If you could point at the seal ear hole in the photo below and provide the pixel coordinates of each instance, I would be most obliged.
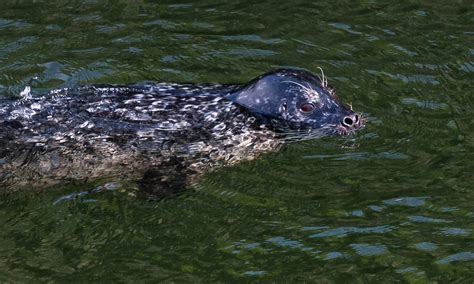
(307, 107)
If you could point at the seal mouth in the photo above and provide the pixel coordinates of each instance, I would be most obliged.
(329, 129)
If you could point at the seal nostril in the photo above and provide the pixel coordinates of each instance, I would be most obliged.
(348, 121)
(356, 118)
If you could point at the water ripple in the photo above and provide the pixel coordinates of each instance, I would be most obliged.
(344, 231)
(406, 201)
(462, 256)
(369, 250)
(426, 246)
(415, 78)
(423, 219)
(455, 232)
(390, 204)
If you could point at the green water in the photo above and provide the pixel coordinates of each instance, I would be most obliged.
(393, 203)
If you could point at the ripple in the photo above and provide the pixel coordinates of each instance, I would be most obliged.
(53, 71)
(244, 52)
(86, 51)
(87, 18)
(389, 191)
(369, 250)
(20, 43)
(467, 67)
(314, 228)
(110, 29)
(345, 27)
(180, 6)
(19, 25)
(426, 246)
(333, 255)
(404, 50)
(458, 257)
(310, 44)
(424, 104)
(423, 219)
(165, 24)
(173, 58)
(455, 232)
(252, 38)
(254, 273)
(134, 50)
(344, 231)
(281, 241)
(357, 213)
(416, 78)
(112, 186)
(376, 208)
(392, 155)
(204, 25)
(406, 201)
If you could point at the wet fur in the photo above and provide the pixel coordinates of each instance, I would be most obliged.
(162, 135)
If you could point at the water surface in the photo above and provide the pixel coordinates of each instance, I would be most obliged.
(392, 203)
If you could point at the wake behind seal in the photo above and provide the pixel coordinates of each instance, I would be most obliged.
(162, 135)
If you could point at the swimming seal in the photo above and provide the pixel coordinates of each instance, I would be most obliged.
(162, 135)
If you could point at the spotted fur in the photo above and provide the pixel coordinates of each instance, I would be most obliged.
(162, 132)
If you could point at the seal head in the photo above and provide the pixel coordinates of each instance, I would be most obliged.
(292, 99)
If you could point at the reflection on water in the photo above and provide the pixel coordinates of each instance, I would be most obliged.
(392, 203)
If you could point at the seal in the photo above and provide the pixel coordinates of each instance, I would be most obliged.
(162, 135)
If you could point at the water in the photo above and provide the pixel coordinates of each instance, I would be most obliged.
(392, 203)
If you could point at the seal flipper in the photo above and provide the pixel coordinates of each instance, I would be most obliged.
(168, 180)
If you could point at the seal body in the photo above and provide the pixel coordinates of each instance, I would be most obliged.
(161, 134)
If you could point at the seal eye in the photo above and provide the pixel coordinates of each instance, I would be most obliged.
(307, 107)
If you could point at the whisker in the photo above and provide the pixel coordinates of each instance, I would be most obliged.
(324, 80)
(292, 136)
(308, 90)
(296, 83)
